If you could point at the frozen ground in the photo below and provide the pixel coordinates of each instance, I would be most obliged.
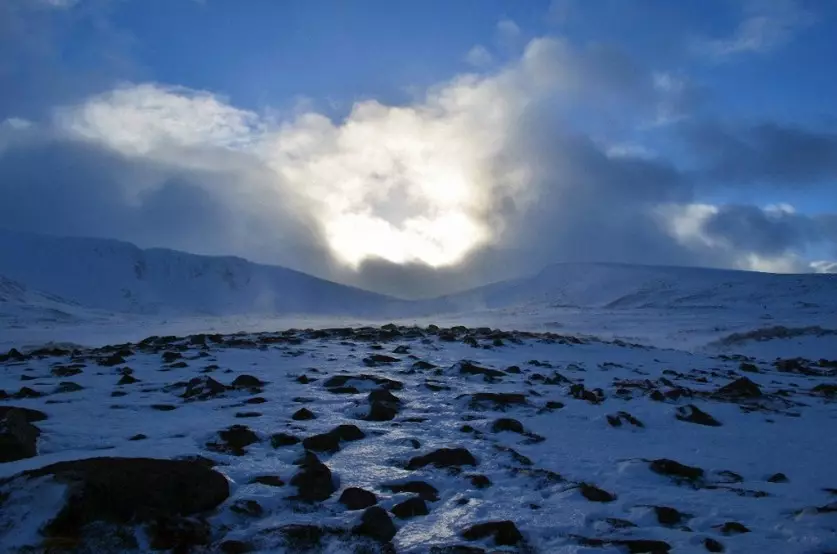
(579, 469)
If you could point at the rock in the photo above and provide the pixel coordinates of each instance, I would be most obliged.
(668, 516)
(383, 395)
(126, 490)
(138, 437)
(283, 439)
(778, 478)
(30, 415)
(618, 523)
(65, 371)
(268, 480)
(581, 393)
(693, 414)
(444, 457)
(376, 523)
(421, 365)
(178, 534)
(497, 401)
(249, 508)
(615, 420)
(234, 439)
(675, 469)
(456, 549)
(348, 432)
(733, 528)
(235, 547)
(231, 546)
(381, 411)
(740, 388)
(247, 382)
(378, 359)
(313, 481)
(169, 357)
(467, 367)
(163, 407)
(203, 388)
(303, 414)
(595, 494)
(634, 546)
(480, 481)
(18, 437)
(357, 499)
(324, 442)
(424, 490)
(127, 379)
(411, 507)
(712, 545)
(401, 349)
(67, 386)
(507, 424)
(26, 392)
(343, 380)
(505, 533)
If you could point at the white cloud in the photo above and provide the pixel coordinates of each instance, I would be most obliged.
(479, 56)
(508, 33)
(767, 25)
(823, 266)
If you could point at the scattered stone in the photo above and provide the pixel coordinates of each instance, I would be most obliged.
(203, 388)
(324, 442)
(740, 388)
(234, 440)
(424, 490)
(693, 414)
(615, 420)
(249, 508)
(127, 379)
(496, 401)
(676, 470)
(595, 494)
(256, 400)
(381, 411)
(163, 407)
(138, 437)
(247, 382)
(313, 481)
(65, 371)
(411, 507)
(303, 414)
(231, 546)
(375, 360)
(456, 549)
(467, 367)
(592, 396)
(178, 534)
(712, 545)
(507, 424)
(67, 386)
(480, 481)
(444, 457)
(733, 528)
(26, 392)
(376, 523)
(504, 533)
(18, 437)
(383, 395)
(278, 440)
(30, 415)
(778, 478)
(268, 480)
(355, 498)
(669, 516)
(247, 415)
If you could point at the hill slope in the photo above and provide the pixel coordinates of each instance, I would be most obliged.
(120, 277)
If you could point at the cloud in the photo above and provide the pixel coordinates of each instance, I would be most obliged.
(479, 56)
(767, 26)
(484, 176)
(765, 153)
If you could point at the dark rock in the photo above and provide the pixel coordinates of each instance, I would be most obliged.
(231, 546)
(234, 440)
(178, 534)
(634, 546)
(302, 538)
(421, 365)
(26, 392)
(169, 357)
(444, 457)
(595, 494)
(256, 400)
(467, 367)
(283, 439)
(357, 499)
(343, 381)
(693, 414)
(249, 508)
(268, 480)
(740, 388)
(378, 359)
(163, 407)
(247, 382)
(68, 386)
(348, 432)
(615, 420)
(18, 437)
(411, 507)
(123, 490)
(127, 379)
(778, 478)
(324, 442)
(303, 414)
(313, 481)
(480, 481)
(581, 393)
(497, 401)
(675, 469)
(401, 349)
(456, 549)
(138, 437)
(383, 395)
(668, 516)
(618, 523)
(733, 528)
(28, 414)
(65, 371)
(376, 523)
(657, 396)
(247, 415)
(203, 388)
(112, 360)
(381, 411)
(424, 490)
(712, 545)
(505, 533)
(507, 424)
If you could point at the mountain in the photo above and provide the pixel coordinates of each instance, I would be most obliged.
(622, 286)
(120, 277)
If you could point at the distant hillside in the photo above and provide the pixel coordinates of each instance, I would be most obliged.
(120, 277)
(616, 286)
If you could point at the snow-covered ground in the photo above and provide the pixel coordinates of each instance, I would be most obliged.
(571, 472)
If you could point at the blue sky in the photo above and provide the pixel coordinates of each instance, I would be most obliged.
(717, 116)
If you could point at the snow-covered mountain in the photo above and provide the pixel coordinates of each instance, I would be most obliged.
(120, 277)
(618, 286)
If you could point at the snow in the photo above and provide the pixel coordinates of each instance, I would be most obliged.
(789, 435)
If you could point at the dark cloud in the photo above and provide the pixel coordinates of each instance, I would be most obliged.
(767, 153)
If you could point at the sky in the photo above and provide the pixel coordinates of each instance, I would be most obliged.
(419, 147)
